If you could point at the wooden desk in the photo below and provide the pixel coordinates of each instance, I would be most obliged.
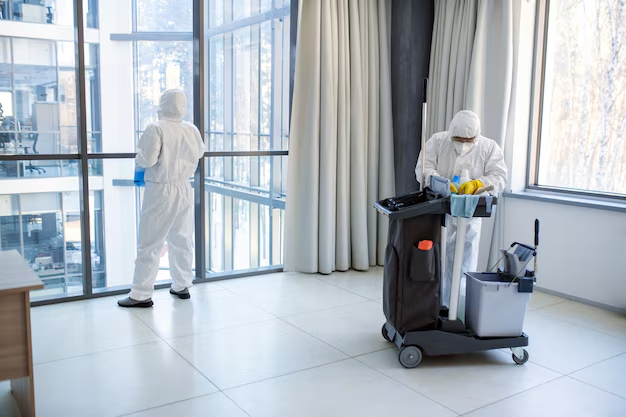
(17, 279)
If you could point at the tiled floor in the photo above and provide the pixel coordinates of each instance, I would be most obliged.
(290, 345)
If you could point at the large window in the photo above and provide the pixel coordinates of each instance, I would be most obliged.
(580, 107)
(68, 203)
(247, 110)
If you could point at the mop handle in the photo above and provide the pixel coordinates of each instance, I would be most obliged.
(423, 144)
(536, 242)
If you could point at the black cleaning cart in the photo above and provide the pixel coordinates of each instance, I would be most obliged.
(416, 321)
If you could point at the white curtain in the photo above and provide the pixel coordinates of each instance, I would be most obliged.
(473, 65)
(341, 144)
(450, 61)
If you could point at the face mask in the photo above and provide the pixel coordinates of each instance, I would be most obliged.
(462, 147)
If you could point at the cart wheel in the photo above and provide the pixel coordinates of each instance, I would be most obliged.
(386, 334)
(410, 356)
(523, 359)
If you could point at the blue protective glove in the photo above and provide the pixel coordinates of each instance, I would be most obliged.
(139, 176)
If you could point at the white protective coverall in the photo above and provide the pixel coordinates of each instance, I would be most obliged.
(169, 150)
(446, 158)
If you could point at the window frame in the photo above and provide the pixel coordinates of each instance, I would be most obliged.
(542, 17)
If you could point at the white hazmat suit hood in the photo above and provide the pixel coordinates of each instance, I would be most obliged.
(447, 157)
(465, 124)
(169, 150)
(173, 106)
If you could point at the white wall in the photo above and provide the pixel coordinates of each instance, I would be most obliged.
(120, 224)
(581, 250)
(117, 104)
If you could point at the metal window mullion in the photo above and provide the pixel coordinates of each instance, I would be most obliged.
(97, 111)
(276, 134)
(232, 26)
(198, 107)
(152, 36)
(254, 163)
(208, 230)
(14, 93)
(207, 161)
(293, 29)
(20, 224)
(136, 88)
(537, 83)
(134, 15)
(81, 107)
(58, 73)
(64, 218)
(229, 50)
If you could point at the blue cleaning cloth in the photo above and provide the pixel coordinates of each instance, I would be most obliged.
(463, 205)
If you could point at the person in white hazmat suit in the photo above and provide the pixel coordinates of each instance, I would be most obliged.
(169, 150)
(450, 153)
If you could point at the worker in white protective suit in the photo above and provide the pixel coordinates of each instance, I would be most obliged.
(169, 150)
(450, 153)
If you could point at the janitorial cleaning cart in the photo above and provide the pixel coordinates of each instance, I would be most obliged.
(416, 321)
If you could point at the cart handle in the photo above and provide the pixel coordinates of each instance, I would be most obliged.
(522, 245)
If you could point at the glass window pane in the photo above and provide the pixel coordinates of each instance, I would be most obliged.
(216, 85)
(38, 98)
(246, 82)
(45, 228)
(162, 66)
(241, 234)
(583, 126)
(216, 12)
(10, 170)
(243, 223)
(248, 86)
(34, 52)
(164, 16)
(5, 51)
(266, 80)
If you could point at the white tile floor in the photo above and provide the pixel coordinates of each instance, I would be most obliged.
(290, 345)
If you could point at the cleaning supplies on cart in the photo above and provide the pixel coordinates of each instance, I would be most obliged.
(456, 183)
(464, 177)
